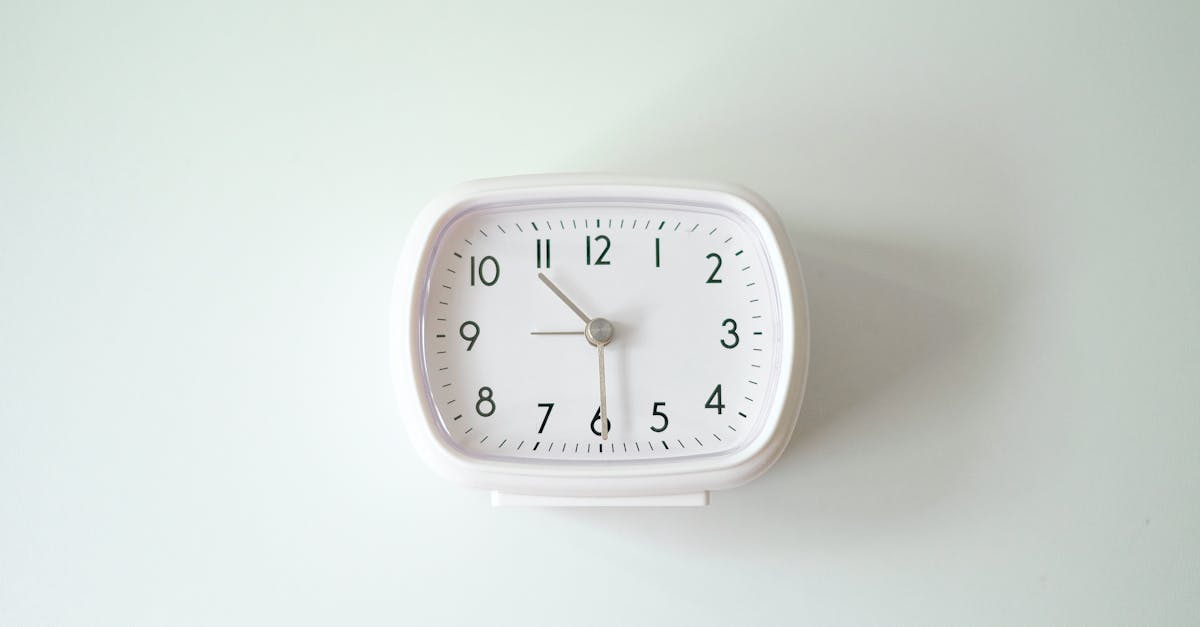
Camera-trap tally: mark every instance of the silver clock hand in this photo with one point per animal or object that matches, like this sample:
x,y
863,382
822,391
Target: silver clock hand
x,y
563,297
556,332
599,332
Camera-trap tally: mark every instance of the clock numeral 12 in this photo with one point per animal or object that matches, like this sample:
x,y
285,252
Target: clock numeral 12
x,y
600,261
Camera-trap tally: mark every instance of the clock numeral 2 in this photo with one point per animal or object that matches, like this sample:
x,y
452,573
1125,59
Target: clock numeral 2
x,y
539,253
716,395
485,398
712,278
600,261
481,270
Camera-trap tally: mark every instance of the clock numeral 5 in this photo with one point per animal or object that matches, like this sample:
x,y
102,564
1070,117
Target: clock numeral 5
x,y
600,261
716,395
483,269
655,412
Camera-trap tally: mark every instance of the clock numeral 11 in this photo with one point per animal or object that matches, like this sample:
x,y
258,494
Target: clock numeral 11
x,y
540,254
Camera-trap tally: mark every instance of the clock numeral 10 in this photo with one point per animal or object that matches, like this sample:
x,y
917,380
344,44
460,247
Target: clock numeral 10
x,y
718,405
483,269
540,254
600,260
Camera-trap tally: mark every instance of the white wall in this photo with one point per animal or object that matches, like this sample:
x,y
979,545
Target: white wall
x,y
997,207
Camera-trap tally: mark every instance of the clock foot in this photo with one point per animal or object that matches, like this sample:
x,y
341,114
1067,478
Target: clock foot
x,y
691,499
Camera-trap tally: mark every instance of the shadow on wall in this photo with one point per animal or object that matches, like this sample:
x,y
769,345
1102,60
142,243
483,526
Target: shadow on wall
x,y
906,318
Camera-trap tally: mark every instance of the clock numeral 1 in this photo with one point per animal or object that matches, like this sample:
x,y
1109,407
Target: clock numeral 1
x,y
482,270
657,252
549,408
712,278
600,261
539,253
655,412
716,395
485,398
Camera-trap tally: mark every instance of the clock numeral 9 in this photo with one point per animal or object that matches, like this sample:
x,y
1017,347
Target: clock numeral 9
x,y
655,412
474,333
485,398
731,331
600,261
716,395
712,278
482,271
596,423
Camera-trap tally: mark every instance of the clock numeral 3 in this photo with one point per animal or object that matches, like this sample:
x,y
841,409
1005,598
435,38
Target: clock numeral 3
x,y
482,270
731,331
712,278
462,332
655,412
600,261
716,395
596,423
485,398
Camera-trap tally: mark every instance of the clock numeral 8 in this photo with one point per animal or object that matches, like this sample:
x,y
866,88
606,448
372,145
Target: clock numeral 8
x,y
485,398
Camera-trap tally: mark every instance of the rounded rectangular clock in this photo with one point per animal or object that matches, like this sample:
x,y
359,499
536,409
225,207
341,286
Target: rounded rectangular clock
x,y
599,340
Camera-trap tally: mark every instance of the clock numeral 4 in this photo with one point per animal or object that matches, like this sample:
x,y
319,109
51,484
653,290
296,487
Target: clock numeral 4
x,y
487,266
718,405
600,260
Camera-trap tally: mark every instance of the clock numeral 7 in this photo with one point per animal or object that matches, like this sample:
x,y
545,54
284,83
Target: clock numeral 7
x,y
549,408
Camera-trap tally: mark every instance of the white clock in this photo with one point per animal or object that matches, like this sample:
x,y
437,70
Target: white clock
x,y
599,340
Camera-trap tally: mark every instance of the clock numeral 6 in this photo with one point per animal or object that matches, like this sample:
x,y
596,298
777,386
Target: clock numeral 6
x,y
485,398
716,395
732,330
482,270
655,412
596,423
712,278
470,326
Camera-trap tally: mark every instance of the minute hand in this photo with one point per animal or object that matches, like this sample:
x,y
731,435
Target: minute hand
x,y
563,297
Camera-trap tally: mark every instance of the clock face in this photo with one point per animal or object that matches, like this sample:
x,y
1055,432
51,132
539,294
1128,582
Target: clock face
x,y
690,355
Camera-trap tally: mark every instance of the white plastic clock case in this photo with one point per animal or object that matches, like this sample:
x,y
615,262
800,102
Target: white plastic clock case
x,y
649,482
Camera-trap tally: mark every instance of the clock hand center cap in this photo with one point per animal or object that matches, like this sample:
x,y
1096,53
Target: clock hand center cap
x,y
598,332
